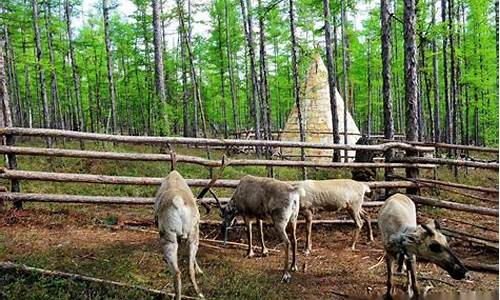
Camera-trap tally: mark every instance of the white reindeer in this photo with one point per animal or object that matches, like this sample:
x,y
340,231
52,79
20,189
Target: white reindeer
x,y
177,216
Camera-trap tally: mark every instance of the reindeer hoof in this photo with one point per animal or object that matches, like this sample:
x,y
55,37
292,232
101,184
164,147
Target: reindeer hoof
x,y
294,268
265,252
200,295
286,277
250,255
307,252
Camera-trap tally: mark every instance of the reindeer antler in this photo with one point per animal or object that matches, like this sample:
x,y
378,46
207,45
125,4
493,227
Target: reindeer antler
x,y
207,188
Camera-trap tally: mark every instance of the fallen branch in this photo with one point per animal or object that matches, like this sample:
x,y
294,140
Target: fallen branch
x,y
24,268
435,279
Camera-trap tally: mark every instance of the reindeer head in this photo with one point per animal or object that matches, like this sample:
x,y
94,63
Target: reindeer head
x,y
429,243
228,215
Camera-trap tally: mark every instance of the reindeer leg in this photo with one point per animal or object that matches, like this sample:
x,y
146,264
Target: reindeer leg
x,y
250,253
193,248
358,222
170,256
390,288
294,246
281,230
366,217
265,251
412,278
309,217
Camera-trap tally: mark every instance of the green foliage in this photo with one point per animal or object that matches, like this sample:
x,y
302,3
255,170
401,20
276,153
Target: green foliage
x,y
140,111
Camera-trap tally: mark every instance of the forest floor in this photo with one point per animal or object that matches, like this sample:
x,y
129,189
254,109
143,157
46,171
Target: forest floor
x,y
75,239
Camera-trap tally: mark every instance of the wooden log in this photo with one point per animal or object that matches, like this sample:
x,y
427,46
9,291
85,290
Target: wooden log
x,y
195,160
106,179
458,185
468,235
80,199
199,141
455,206
445,161
481,267
453,146
77,277
462,193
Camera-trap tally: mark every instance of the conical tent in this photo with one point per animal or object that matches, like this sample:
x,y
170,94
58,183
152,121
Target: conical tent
x,y
317,116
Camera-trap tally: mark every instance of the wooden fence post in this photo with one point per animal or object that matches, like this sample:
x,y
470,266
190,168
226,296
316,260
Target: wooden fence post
x,y
15,186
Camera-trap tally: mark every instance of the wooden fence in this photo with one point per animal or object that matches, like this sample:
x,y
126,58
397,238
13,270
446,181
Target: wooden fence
x,y
15,195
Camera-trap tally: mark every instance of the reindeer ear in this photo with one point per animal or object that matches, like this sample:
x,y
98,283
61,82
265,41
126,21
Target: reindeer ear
x,y
428,229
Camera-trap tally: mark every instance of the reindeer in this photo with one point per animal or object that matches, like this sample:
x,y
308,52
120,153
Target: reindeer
x,y
334,195
177,216
258,198
404,240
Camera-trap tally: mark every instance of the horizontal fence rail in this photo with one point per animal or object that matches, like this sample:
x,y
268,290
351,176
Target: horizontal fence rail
x,y
446,161
79,199
198,160
38,132
107,179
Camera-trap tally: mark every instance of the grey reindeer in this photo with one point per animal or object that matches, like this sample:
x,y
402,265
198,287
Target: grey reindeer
x,y
259,198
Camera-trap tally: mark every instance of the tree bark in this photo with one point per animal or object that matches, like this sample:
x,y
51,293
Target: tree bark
x,y
330,63
435,75
230,71
386,42
453,81
221,73
74,69
411,79
40,69
109,56
296,87
55,111
445,78
246,11
6,116
159,70
264,86
344,69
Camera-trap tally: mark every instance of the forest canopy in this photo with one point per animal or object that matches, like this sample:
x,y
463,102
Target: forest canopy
x,y
99,72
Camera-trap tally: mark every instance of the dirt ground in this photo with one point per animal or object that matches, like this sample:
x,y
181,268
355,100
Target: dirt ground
x,y
71,238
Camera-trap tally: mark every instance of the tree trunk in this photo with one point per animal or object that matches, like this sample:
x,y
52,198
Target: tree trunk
x,y
453,82
27,87
40,70
264,86
230,71
435,72
296,86
369,82
221,73
445,78
386,42
159,71
6,115
246,11
109,56
344,70
411,79
55,111
74,69
330,62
